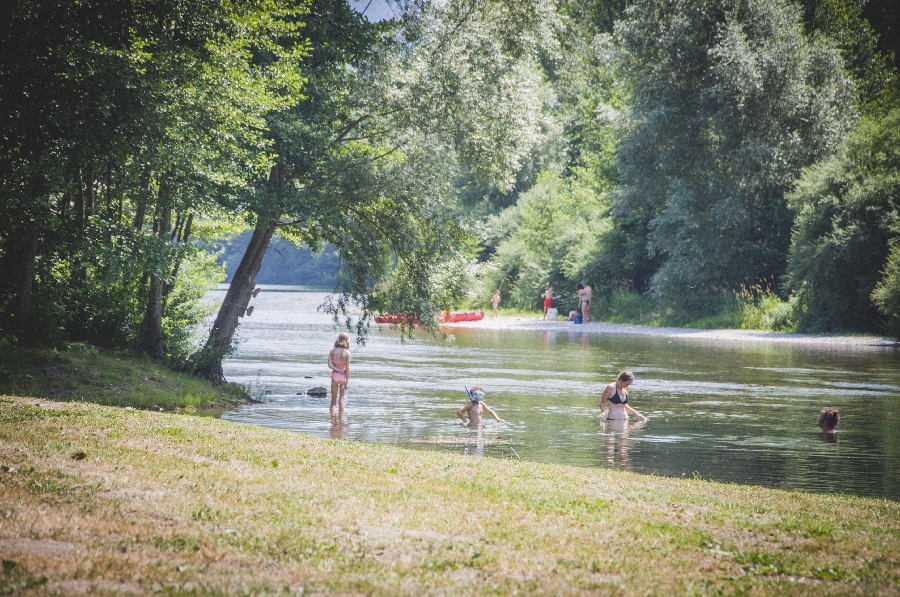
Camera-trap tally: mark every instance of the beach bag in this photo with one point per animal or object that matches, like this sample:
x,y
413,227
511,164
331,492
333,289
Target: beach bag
x,y
577,319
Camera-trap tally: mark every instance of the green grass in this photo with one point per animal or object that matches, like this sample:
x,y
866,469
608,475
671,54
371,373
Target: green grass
x,y
84,373
103,500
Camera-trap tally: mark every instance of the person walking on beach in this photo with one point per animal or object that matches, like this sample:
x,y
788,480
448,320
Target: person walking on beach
x,y
475,408
584,301
548,297
616,394
339,363
496,302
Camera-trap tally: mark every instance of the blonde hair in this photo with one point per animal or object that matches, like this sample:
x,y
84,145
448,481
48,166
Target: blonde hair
x,y
343,340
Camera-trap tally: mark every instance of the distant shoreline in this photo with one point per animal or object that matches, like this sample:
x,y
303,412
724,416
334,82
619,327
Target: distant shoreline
x,y
535,324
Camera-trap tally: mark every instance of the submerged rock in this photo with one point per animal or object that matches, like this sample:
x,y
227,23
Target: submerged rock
x,y
317,392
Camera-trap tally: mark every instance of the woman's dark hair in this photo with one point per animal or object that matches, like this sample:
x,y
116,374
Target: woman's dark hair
x,y
829,418
625,376
579,286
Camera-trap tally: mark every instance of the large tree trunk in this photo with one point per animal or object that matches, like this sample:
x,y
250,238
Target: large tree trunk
x,y
19,264
209,359
150,338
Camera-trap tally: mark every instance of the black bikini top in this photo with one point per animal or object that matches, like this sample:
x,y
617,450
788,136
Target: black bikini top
x,y
616,399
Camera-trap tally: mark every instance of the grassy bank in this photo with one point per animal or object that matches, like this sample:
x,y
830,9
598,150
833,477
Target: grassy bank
x,y
104,500
84,373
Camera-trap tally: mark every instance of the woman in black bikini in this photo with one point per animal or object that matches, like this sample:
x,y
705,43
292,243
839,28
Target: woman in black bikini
x,y
616,394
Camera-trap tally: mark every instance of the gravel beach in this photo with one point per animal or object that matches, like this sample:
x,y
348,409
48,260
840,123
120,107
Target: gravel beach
x,y
536,324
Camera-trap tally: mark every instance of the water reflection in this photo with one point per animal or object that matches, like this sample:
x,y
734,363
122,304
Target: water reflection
x,y
615,434
744,413
339,426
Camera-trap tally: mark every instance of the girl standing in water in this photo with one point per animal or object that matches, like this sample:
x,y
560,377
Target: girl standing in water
x,y
339,363
616,394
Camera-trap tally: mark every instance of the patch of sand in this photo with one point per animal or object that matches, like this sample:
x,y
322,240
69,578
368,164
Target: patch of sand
x,y
45,548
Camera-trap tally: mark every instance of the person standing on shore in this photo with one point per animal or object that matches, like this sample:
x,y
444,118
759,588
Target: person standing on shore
x,y
616,394
495,301
548,297
339,363
584,301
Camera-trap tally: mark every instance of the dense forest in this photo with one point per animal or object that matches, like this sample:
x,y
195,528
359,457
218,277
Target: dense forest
x,y
697,162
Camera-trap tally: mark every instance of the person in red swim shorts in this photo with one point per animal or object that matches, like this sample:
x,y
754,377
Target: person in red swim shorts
x,y
548,297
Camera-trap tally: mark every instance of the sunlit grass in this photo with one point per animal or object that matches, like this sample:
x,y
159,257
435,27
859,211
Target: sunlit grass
x,y
187,505
84,373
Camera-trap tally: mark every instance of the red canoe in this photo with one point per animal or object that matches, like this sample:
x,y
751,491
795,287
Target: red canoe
x,y
444,317
464,316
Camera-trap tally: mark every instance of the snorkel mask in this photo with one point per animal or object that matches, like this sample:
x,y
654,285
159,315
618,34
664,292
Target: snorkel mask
x,y
474,395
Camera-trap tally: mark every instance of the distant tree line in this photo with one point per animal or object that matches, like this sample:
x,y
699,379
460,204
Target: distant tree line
x,y
284,264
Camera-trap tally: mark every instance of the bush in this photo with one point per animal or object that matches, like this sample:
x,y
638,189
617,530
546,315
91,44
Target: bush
x,y
847,217
766,311
886,295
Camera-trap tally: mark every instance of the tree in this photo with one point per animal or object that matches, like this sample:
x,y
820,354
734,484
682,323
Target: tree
x,y
365,162
729,101
843,258
122,120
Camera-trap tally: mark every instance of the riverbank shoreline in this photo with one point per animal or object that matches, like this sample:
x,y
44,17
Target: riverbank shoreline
x,y
536,324
106,500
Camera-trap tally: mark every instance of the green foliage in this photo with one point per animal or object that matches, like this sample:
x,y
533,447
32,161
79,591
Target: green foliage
x,y
185,309
762,309
847,216
877,81
626,306
556,225
886,295
373,152
729,101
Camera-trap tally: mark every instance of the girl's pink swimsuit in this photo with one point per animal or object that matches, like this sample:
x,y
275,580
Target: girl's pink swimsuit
x,y
338,376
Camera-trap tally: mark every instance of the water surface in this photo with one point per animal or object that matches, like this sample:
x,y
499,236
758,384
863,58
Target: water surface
x,y
735,412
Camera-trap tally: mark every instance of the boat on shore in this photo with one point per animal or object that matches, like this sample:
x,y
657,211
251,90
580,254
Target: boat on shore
x,y
443,317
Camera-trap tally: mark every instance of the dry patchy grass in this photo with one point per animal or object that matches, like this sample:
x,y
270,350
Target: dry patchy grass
x,y
101,500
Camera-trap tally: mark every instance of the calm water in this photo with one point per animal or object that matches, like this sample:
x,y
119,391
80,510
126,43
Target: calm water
x,y
743,413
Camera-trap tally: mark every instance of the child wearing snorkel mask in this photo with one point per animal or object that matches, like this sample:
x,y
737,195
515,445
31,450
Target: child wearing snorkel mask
x,y
476,407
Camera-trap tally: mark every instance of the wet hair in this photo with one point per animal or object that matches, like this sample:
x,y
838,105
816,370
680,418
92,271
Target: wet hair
x,y
625,376
343,340
829,418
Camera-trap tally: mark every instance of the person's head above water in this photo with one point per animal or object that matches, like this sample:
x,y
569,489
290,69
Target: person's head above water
x,y
476,394
343,340
625,378
829,419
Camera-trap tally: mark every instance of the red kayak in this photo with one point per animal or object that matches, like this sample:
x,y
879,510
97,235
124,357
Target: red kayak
x,y
392,319
443,317
464,316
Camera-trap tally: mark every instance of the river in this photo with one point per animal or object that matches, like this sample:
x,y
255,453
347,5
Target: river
x,y
735,412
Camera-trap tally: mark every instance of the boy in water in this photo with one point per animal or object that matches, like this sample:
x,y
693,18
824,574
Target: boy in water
x,y
476,407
